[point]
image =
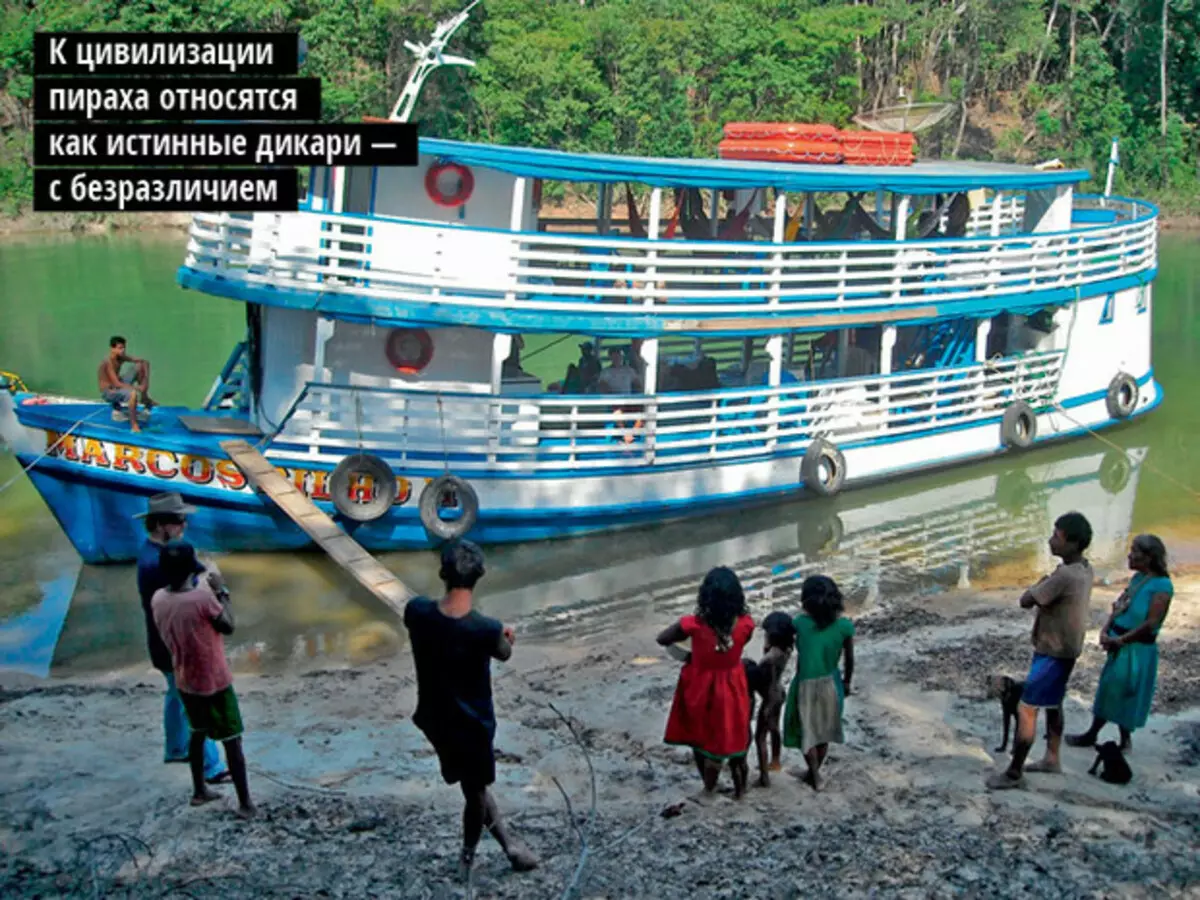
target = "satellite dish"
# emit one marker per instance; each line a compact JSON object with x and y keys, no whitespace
{"x":911,"y":117}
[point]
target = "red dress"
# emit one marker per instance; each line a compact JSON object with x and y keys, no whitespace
{"x":711,"y":711}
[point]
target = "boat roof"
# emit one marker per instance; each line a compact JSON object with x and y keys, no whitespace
{"x":727,"y":174}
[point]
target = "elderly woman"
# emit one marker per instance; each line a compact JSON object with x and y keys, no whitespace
{"x":1126,"y":687}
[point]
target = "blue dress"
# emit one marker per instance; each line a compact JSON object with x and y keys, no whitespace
{"x":1127,"y":683}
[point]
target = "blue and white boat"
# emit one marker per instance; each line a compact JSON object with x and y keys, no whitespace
{"x":773,"y":350}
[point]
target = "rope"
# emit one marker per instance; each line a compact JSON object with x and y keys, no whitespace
{"x":442,"y":424}
{"x":24,"y":471}
{"x":15,"y":380}
{"x":1153,"y":468}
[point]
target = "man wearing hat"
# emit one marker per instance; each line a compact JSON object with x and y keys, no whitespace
{"x":165,"y":520}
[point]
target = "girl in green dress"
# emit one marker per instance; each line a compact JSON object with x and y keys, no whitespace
{"x":1126,"y":688}
{"x":813,"y":713}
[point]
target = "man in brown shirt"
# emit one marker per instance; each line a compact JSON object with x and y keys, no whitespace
{"x":1061,"y":600}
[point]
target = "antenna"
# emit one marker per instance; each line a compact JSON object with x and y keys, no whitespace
{"x":429,"y":57}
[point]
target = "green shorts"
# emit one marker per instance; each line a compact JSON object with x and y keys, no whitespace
{"x":216,"y":716}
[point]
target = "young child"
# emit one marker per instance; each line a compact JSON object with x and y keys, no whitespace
{"x":711,"y":709}
{"x":766,"y":680}
{"x":824,"y":637}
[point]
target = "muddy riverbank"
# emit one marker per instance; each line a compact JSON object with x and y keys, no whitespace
{"x":352,"y":805}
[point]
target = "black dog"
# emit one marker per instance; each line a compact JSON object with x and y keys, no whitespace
{"x":1009,"y":691}
{"x":1111,"y":763}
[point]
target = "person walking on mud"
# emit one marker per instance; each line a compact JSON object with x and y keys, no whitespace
{"x":192,"y":620}
{"x":165,"y":520}
{"x":1061,"y":600}
{"x":453,"y":646}
{"x":711,"y":710}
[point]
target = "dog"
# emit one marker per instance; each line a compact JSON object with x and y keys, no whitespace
{"x":1112,"y":764}
{"x":1008,"y":691}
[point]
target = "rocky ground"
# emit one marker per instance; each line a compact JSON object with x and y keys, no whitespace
{"x":352,"y":806}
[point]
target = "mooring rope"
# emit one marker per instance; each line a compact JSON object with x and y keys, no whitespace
{"x":1153,"y":468}
{"x":25,"y":470}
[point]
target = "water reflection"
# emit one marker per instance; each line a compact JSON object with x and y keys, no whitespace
{"x":978,"y":526}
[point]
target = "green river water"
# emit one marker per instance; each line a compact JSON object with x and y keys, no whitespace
{"x":62,"y":297}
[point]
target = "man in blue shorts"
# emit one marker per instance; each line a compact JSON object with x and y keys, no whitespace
{"x":1061,"y":601}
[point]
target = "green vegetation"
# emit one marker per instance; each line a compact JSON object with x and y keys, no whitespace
{"x":1030,"y":79}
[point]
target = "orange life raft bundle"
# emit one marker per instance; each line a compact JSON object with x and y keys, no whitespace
{"x":802,"y":142}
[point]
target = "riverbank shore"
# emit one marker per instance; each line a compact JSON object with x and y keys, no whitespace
{"x":352,"y":804}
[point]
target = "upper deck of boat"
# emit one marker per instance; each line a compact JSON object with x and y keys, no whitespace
{"x":504,"y":271}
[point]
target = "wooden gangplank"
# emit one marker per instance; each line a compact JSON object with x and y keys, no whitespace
{"x":342,"y":549}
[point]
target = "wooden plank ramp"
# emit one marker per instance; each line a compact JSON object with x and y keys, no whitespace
{"x":342,"y":549}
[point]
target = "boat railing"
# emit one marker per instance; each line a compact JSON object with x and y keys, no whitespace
{"x":569,"y":433}
{"x":371,"y":258}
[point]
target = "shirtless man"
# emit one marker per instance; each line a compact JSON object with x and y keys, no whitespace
{"x":121,"y":393}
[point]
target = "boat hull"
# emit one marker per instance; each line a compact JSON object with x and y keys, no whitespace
{"x":95,"y":485}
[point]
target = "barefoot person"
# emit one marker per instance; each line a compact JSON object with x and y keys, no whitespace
{"x":123,"y":380}
{"x":1130,"y":636}
{"x":192,"y":619}
{"x":1061,"y":600}
{"x":166,"y":520}
{"x":766,"y":680}
{"x":453,"y":646}
{"x":813,"y":713}
{"x":711,"y":710}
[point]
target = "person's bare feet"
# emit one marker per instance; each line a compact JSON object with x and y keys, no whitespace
{"x":1048,"y":767}
{"x":1002,"y":781}
{"x":520,"y":857}
{"x":247,"y":812}
{"x":206,"y":797}
{"x":813,"y":780}
{"x":134,"y":426}
{"x":776,"y":766}
{"x":764,"y":780}
{"x":466,"y":860}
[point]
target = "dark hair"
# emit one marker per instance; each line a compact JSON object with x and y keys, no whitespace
{"x":1156,"y":553}
{"x":116,"y":339}
{"x":154,"y":521}
{"x":1076,"y":529}
{"x":780,"y":630}
{"x":177,"y":561}
{"x":462,"y":565}
{"x":721,"y":603}
{"x":821,"y":599}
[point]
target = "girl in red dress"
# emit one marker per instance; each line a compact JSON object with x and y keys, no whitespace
{"x":711,"y":711}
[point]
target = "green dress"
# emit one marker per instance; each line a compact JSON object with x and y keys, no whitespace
{"x":813,"y":712}
{"x":1129,"y":677}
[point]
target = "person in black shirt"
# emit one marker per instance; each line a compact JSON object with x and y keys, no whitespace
{"x":453,"y":646}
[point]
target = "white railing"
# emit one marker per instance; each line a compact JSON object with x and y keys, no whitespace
{"x":570,"y":433}
{"x":415,"y":262}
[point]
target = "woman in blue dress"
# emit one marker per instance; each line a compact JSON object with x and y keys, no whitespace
{"x":1126,"y":687}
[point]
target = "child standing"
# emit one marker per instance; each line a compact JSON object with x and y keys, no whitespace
{"x":766,"y":680}
{"x":192,"y":620}
{"x":813,"y":719}
{"x":711,"y":710}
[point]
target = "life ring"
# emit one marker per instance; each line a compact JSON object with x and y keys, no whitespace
{"x":1018,"y":427}
{"x":350,"y":492}
{"x":409,"y":350}
{"x":434,"y":497}
{"x":466,"y":184}
{"x":1122,"y":397}
{"x":824,"y":468}
{"x":1115,"y":470}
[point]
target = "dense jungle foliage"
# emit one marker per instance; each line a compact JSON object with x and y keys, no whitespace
{"x":1029,"y":79}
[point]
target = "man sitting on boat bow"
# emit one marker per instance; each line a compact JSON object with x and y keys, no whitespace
{"x":123,"y":379}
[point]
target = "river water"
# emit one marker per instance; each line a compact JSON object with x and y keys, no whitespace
{"x":979,"y":525}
